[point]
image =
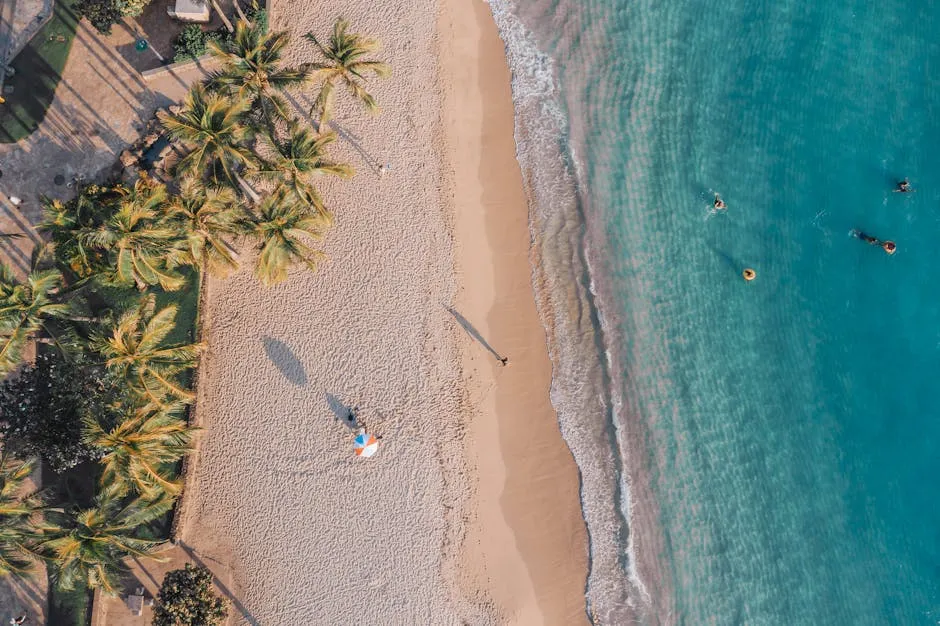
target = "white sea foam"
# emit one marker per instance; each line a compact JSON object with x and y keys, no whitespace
{"x":589,"y":411}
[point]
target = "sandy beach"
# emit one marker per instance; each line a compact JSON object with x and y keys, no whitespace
{"x":469,"y":513}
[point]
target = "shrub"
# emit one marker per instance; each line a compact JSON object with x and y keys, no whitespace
{"x":190,"y":43}
{"x":102,"y":14}
{"x":132,"y":8}
{"x":41,"y":409}
{"x":186,"y":599}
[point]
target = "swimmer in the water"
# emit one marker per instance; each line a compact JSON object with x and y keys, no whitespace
{"x":866,"y":237}
{"x":719,"y":203}
{"x":888,"y":246}
{"x":904,"y":186}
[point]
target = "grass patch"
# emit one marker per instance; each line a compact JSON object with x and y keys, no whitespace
{"x":186,"y":300}
{"x":38,"y":71}
{"x":69,"y":608}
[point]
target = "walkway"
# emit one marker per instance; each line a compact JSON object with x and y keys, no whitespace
{"x":101,"y":105}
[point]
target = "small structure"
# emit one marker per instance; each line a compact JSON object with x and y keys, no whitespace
{"x":190,"y":11}
{"x":135,"y":602}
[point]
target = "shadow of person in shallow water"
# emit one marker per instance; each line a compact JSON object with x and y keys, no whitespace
{"x":285,"y":361}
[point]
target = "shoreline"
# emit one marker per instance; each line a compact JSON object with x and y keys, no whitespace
{"x":534,"y":548}
{"x":595,"y":413}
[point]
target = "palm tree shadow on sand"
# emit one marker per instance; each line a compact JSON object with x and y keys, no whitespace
{"x":285,"y":361}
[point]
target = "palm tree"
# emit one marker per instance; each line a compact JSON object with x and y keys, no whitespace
{"x":205,"y":216}
{"x":211,"y":130}
{"x":280,"y":227}
{"x":140,"y":238}
{"x":133,"y":351}
{"x":251,"y":70}
{"x":17,"y":532}
{"x":138,"y":449}
{"x":343,"y":62}
{"x":88,"y":546}
{"x":24,"y":309}
{"x":69,"y":224}
{"x":297,"y":160}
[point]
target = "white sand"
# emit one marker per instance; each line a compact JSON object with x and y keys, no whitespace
{"x":458,"y":519}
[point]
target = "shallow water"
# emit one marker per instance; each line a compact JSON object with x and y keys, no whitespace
{"x":777,"y":440}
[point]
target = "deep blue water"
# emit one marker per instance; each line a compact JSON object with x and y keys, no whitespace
{"x":790,"y":425}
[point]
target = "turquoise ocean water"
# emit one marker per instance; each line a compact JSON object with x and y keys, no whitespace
{"x":751,"y":453}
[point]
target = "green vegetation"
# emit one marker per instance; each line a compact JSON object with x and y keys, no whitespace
{"x":104,"y":14}
{"x":16,"y":531}
{"x":296,"y":160}
{"x":193,"y":41}
{"x":68,"y":608}
{"x":252,"y":71}
{"x":87,"y":545}
{"x":38,"y":69}
{"x":186,"y":599}
{"x":190,"y":43}
{"x":132,"y":8}
{"x":343,"y":63}
{"x":101,"y":14}
{"x":26,"y":307}
{"x":257,"y":16}
{"x":43,"y":407}
{"x":112,"y":305}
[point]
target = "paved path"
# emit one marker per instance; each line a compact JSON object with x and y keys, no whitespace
{"x":101,"y":105}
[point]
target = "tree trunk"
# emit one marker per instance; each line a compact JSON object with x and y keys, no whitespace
{"x":251,"y":193}
{"x":82,"y":318}
{"x":241,"y":14}
{"x":228,"y":24}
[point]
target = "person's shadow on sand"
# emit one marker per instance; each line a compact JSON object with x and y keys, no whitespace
{"x":285,"y":361}
{"x":342,"y":411}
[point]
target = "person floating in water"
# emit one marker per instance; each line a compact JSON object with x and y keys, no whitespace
{"x":904,"y":186}
{"x":719,"y":203}
{"x":888,"y":246}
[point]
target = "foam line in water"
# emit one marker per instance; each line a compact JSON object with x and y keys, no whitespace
{"x":581,"y":391}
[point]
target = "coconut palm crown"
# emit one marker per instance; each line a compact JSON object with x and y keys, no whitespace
{"x":251,"y":70}
{"x":210,"y":128}
{"x":17,"y":510}
{"x":70,"y":222}
{"x":134,"y":350}
{"x":206,"y":217}
{"x":88,"y":545}
{"x":138,"y":451}
{"x":140,"y":239}
{"x":24,"y":309}
{"x":281,"y":227}
{"x":297,"y":160}
{"x":343,"y":63}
